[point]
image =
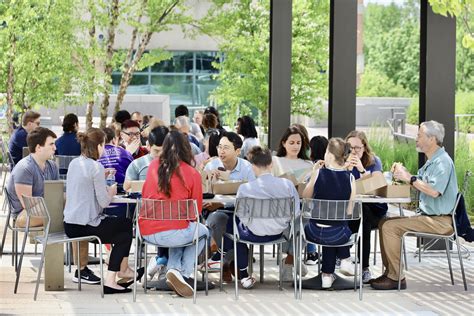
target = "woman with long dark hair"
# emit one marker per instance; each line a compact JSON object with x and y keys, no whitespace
{"x":246,"y":128}
{"x":172,"y":177}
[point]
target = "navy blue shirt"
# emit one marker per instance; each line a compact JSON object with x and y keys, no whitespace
{"x":67,"y":145}
{"x":381,"y":208}
{"x":17,"y":142}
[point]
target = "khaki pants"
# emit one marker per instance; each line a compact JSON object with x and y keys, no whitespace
{"x":34,"y":221}
{"x":83,"y":253}
{"x":392,"y":229}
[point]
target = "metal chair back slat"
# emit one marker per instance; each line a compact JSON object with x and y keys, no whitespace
{"x":331,"y":210}
{"x":165,"y":210}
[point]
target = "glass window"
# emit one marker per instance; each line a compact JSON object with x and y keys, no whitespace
{"x":204,"y":62}
{"x":179,"y":87}
{"x":180,"y":62}
{"x":205,"y":84}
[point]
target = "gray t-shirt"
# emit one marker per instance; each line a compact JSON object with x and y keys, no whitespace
{"x":138,"y":168}
{"x":28,"y":172}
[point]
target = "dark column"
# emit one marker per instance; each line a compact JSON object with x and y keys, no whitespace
{"x":280,"y":70}
{"x":438,"y":72}
{"x":342,"y":67}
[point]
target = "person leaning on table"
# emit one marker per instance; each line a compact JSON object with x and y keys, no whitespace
{"x":86,"y":196}
{"x":437,"y":184}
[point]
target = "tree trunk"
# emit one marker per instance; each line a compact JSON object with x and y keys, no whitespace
{"x":130,"y":65}
{"x":104,"y":107}
{"x":89,"y":110}
{"x":10,"y":87}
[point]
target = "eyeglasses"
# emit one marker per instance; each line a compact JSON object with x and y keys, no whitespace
{"x":357,"y":148}
{"x":224,"y":148}
{"x":132,"y":134}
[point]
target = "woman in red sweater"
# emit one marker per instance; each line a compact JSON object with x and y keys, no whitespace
{"x":172,"y":178}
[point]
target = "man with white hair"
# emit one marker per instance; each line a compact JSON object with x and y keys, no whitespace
{"x":437,"y":184}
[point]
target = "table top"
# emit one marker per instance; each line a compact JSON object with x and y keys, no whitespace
{"x":122,"y":199}
{"x":359,"y":198}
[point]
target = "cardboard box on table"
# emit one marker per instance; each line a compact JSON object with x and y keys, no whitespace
{"x":225,"y":187}
{"x":377,"y":185}
{"x":394,"y":191}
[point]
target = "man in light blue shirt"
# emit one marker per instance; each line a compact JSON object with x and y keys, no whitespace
{"x":228,"y":166}
{"x":437,"y":184}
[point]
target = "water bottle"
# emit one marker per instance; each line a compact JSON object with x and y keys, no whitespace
{"x":110,"y":180}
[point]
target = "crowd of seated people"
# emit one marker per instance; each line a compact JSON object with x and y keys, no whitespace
{"x":172,"y":160}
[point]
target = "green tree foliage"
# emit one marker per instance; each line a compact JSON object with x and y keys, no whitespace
{"x":37,"y":48}
{"x":391,"y":43}
{"x":242,"y":30}
{"x":375,"y":84}
{"x":461,"y":9}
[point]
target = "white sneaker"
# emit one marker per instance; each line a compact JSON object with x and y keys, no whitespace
{"x":327,"y":280}
{"x":287,"y":271}
{"x":366,"y":276}
{"x":248,"y":282}
{"x":347,"y":267}
{"x":175,"y":280}
{"x":152,"y":268}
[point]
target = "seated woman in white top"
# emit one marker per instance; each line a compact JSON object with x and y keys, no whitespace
{"x":292,"y":159}
{"x":86,"y":197}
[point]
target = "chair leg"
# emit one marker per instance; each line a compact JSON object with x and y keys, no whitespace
{"x":40,"y":269}
{"x":79,"y":283}
{"x":236,"y":276}
{"x":101,"y":264}
{"x":5,"y":229}
{"x":18,"y":270}
{"x":135,"y":267}
{"x":319,"y":261}
{"x":196,"y":258}
{"x":375,"y":246}
{"x":139,"y":251}
{"x":280,"y":279}
{"x":402,"y":248}
{"x":420,"y":248}
{"x":300,"y":277}
{"x":206,"y":272}
{"x":448,"y":254}
{"x":250,"y":264}
{"x":262,"y":254}
{"x":361,"y":285}
{"x":458,"y":246}
{"x":273,"y":254}
{"x":355,"y":266}
{"x":221,"y":287}
{"x":15,"y":252}
{"x":404,"y":255}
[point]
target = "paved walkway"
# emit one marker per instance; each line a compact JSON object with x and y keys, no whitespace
{"x":429,"y":293}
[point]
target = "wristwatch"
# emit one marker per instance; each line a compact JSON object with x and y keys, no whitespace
{"x":362,"y":172}
{"x":413,"y":179}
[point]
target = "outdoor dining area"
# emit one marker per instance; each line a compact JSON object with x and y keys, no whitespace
{"x":237,"y":157}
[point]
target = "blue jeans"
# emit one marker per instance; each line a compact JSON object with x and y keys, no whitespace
{"x":247,"y":235}
{"x":334,"y":235}
{"x":182,"y":258}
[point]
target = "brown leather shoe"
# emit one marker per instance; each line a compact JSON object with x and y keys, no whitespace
{"x":385,"y":283}
{"x":379,"y":278}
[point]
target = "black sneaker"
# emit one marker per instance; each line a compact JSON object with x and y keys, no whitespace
{"x":87,"y":277}
{"x":312,"y":258}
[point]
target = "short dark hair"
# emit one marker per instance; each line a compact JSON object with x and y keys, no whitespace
{"x":181,"y":110}
{"x":109,"y":134}
{"x":318,"y":145}
{"x":234,"y":139}
{"x":121,"y":116}
{"x":38,"y":136}
{"x":29,"y":116}
{"x":130,"y":123}
{"x":89,"y":142}
{"x":69,"y":122}
{"x":157,"y":135}
{"x":260,"y":157}
{"x":247,"y":127}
